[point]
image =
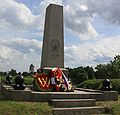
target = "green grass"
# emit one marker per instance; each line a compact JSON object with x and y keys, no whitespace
{"x":28,"y":80}
{"x":8,"y":107}
{"x":113,"y":106}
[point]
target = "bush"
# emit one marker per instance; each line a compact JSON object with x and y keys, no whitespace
{"x":115,"y":84}
{"x":28,"y":80}
{"x":91,"y":84}
{"x":96,"y":84}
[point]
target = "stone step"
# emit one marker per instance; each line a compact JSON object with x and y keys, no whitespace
{"x":46,"y":96}
{"x":79,"y":110}
{"x":71,"y":102}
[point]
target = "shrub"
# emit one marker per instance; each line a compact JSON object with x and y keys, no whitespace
{"x":115,"y":84}
{"x":91,"y":84}
{"x":28,"y":80}
{"x":96,"y":84}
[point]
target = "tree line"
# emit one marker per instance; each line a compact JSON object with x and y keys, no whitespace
{"x":77,"y":75}
{"x":110,"y":70}
{"x":13,"y":72}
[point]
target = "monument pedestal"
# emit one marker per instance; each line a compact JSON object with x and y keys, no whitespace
{"x":35,"y":96}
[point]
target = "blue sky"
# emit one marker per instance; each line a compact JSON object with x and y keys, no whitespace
{"x":91,"y":32}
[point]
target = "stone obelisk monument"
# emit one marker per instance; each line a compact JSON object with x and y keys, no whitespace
{"x":53,"y":40}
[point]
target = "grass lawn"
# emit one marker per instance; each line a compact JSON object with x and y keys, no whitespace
{"x":8,"y":107}
{"x":27,"y":80}
{"x":113,"y":106}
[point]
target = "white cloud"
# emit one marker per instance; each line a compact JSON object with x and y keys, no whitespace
{"x":19,"y":18}
{"x":92,"y":53}
{"x":16,"y":16}
{"x":22,"y":44}
{"x":79,"y":15}
{"x":79,"y":20}
{"x":41,"y":9}
{"x":108,"y":10}
{"x":19,"y":53}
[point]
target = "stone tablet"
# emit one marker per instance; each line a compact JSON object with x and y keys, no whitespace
{"x":53,"y":40}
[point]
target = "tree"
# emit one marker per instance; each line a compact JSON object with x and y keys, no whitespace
{"x":90,"y":72}
{"x":101,"y":71}
{"x":1,"y":73}
{"x":110,"y":70}
{"x":115,"y":67}
{"x":78,"y":75}
{"x":13,"y":72}
{"x":25,"y":74}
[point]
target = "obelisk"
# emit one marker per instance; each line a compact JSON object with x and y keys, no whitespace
{"x":53,"y":40}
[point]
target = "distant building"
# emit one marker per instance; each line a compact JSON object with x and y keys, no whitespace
{"x":31,"y":69}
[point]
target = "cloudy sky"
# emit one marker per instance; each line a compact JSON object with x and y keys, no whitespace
{"x":92,"y":32}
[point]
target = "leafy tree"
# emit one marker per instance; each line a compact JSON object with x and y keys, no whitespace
{"x":110,"y":70}
{"x":90,"y":72}
{"x":1,"y":73}
{"x":13,"y":72}
{"x":115,"y":67}
{"x":101,"y":71}
{"x":25,"y":74}
{"x":78,"y":75}
{"x":5,"y":73}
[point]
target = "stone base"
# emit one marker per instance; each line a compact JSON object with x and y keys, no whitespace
{"x":106,"y":95}
{"x":29,"y":95}
{"x":16,"y":95}
{"x":110,"y":95}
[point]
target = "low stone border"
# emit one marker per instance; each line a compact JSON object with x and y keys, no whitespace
{"x":106,"y":95}
{"x":28,"y":95}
